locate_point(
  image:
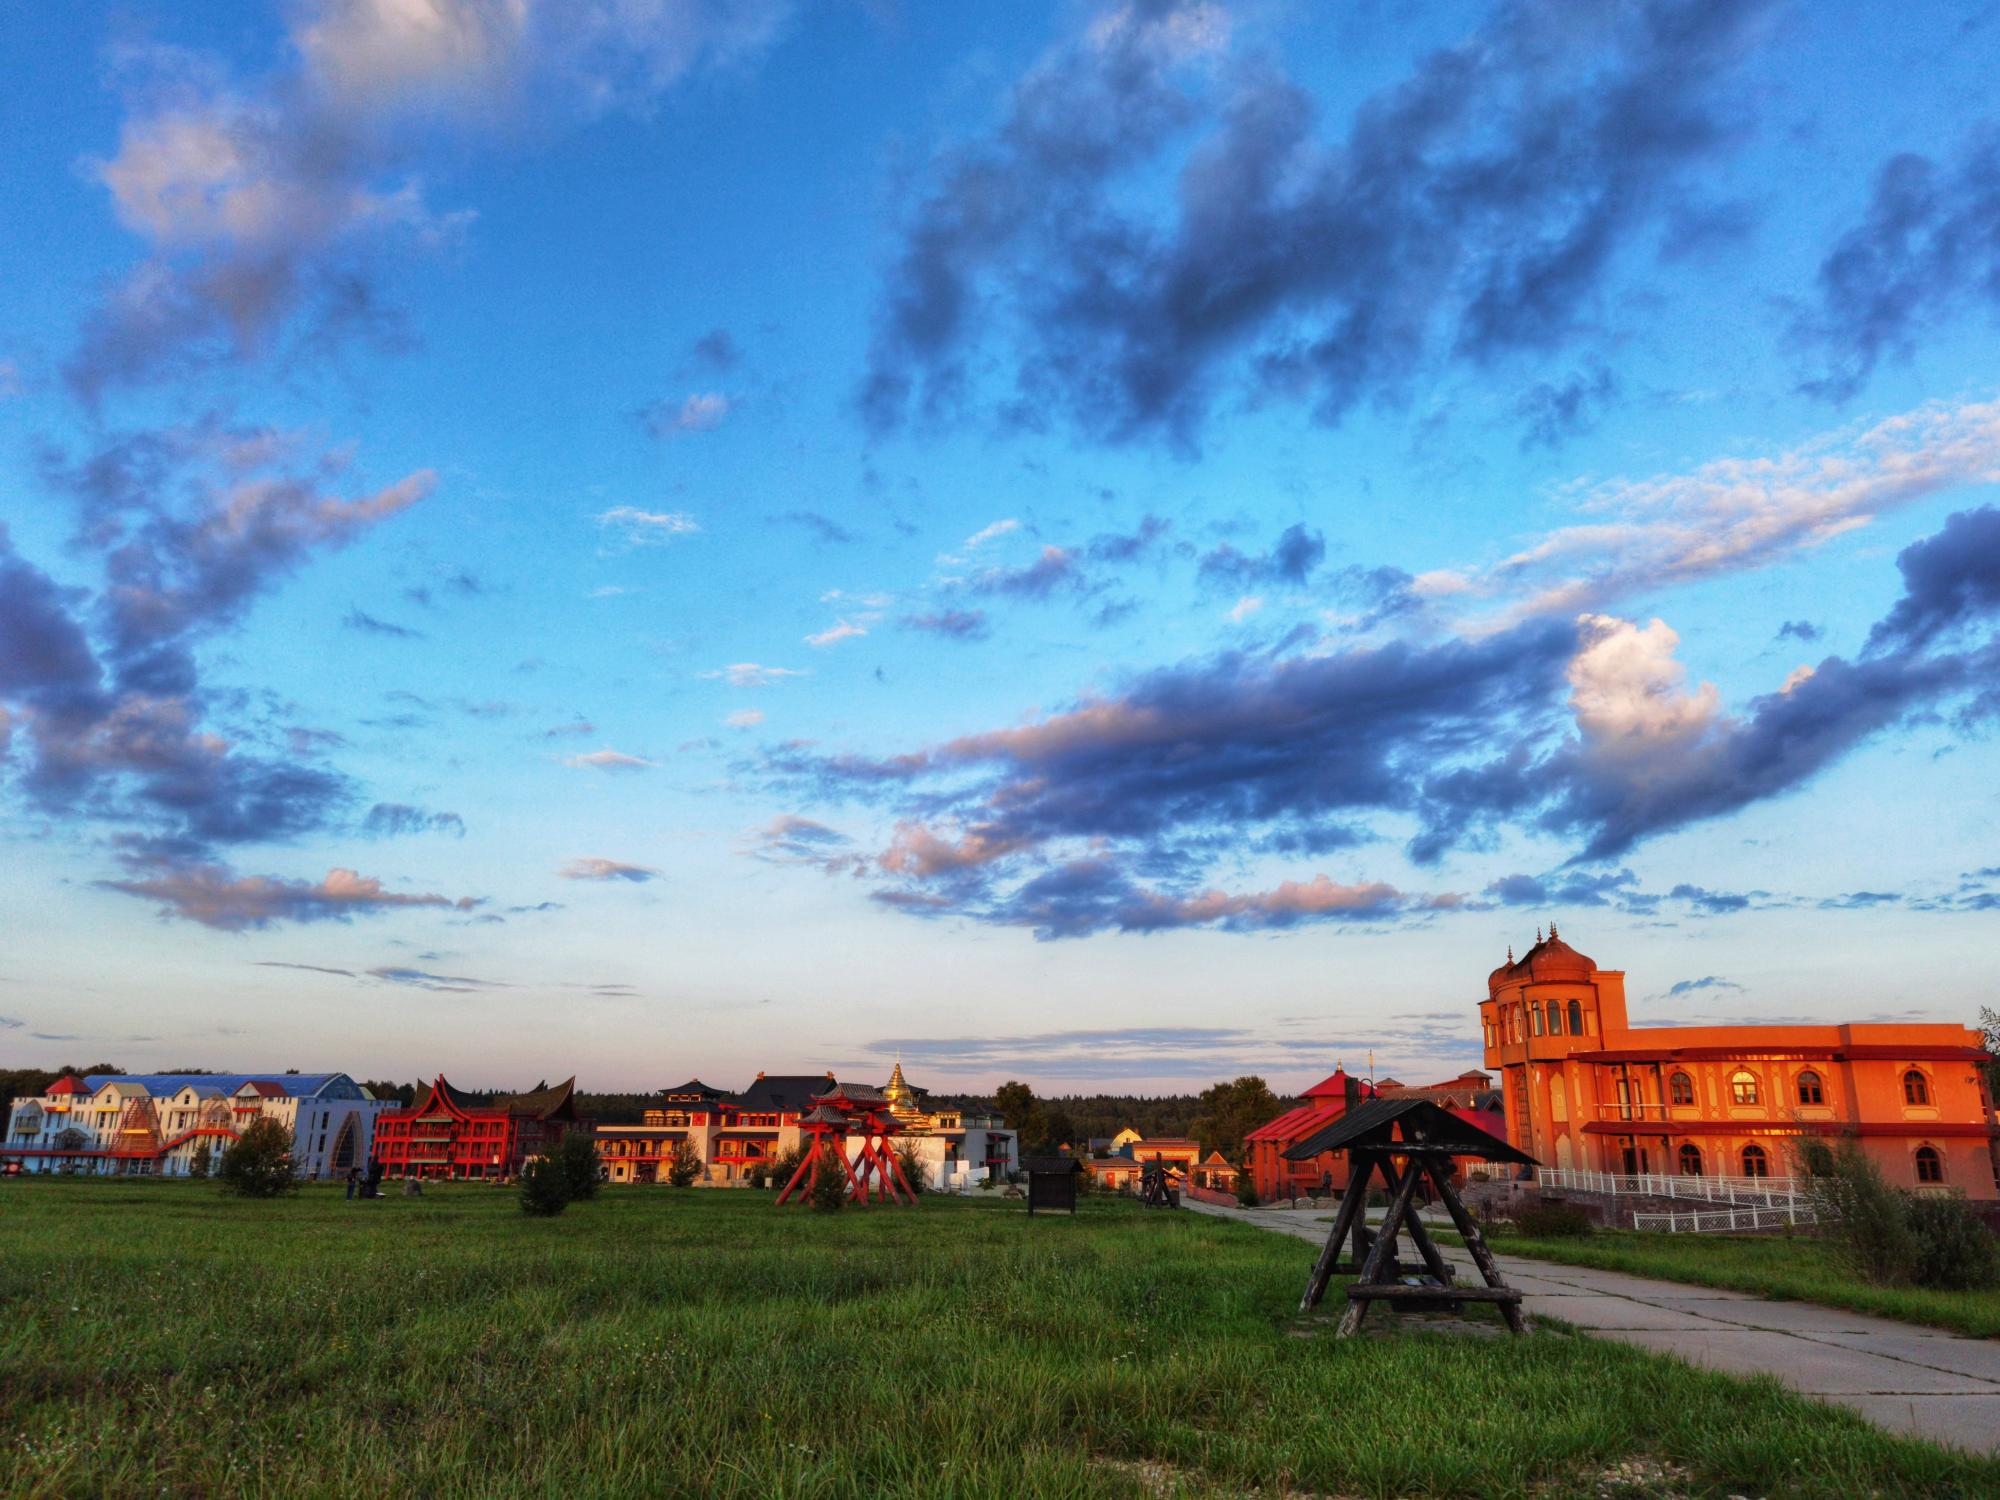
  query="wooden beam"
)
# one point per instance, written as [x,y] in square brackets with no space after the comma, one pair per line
[1357,1308]
[1475,1243]
[1397,1292]
[1329,1264]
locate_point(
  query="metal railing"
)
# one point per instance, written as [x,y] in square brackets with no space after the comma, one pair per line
[1726,1220]
[1751,1192]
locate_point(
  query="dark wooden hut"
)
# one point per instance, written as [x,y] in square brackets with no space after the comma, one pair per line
[1407,1141]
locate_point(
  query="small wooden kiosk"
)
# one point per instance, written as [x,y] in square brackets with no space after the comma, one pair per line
[1052,1181]
[1406,1141]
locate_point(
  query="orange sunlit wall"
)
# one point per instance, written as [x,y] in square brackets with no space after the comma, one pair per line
[1586,1090]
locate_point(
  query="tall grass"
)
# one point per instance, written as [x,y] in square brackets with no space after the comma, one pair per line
[156,1338]
[1796,1268]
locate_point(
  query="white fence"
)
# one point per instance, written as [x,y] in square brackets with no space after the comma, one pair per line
[1738,1192]
[1725,1220]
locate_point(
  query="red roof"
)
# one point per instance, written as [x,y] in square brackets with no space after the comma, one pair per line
[1294,1124]
[69,1083]
[1333,1087]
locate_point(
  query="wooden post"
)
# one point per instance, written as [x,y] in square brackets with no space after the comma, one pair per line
[1475,1243]
[1357,1306]
[1351,1204]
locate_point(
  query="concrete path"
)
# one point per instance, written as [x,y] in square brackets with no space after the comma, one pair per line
[1922,1381]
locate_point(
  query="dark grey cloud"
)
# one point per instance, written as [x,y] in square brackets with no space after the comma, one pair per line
[824,527]
[1291,560]
[1472,211]
[389,819]
[954,624]
[1682,987]
[1800,630]
[1949,579]
[1055,571]
[423,979]
[367,624]
[717,350]
[272,963]
[1926,249]
[1113,813]
[187,527]
[1552,414]
[213,894]
[1124,547]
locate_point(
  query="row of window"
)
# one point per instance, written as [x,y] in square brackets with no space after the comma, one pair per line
[1542,1020]
[1744,1088]
[1757,1162]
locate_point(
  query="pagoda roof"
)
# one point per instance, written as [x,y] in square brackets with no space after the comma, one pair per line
[824,1114]
[854,1093]
[783,1092]
[544,1101]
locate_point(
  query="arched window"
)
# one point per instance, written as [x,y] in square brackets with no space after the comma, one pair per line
[1930,1166]
[1811,1090]
[1690,1160]
[1680,1089]
[1535,1012]
[1558,1099]
[1743,1088]
[1576,1018]
[1555,1018]
[1755,1162]
[1916,1087]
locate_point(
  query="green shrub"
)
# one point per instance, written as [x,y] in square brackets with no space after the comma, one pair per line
[544,1188]
[683,1166]
[1553,1221]
[576,1156]
[1870,1219]
[202,1163]
[912,1165]
[258,1163]
[828,1192]
[1246,1190]
[1955,1251]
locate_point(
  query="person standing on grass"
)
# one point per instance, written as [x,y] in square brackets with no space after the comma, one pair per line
[353,1180]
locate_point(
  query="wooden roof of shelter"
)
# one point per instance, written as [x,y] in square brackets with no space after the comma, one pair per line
[1399,1123]
[824,1114]
[1051,1164]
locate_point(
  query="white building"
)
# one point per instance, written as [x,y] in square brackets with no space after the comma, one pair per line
[153,1124]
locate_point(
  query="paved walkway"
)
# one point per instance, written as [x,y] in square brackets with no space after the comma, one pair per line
[1937,1385]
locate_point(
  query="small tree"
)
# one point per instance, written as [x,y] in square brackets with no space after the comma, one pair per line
[202,1162]
[683,1165]
[828,1192]
[1246,1188]
[258,1163]
[576,1154]
[784,1164]
[912,1165]
[1870,1218]
[1955,1251]
[544,1189]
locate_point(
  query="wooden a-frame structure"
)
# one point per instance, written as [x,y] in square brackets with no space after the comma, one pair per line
[1407,1141]
[874,1173]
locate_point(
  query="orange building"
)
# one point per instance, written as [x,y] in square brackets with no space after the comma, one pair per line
[1264,1148]
[1585,1089]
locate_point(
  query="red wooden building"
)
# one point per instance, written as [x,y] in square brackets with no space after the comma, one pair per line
[442,1136]
[1265,1147]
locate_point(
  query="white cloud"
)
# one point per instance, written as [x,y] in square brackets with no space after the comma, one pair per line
[1629,693]
[997,529]
[703,412]
[745,718]
[649,528]
[833,635]
[750,674]
[607,869]
[1738,514]
[608,760]
[1244,608]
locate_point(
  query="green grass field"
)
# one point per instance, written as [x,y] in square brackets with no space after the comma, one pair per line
[1795,1269]
[160,1339]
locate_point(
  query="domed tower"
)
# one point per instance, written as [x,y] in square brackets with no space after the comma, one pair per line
[903,1102]
[1541,1010]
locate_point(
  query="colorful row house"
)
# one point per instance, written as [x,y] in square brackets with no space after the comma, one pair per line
[157,1124]
[1588,1091]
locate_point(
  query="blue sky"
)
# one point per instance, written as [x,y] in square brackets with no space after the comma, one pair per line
[1115,545]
